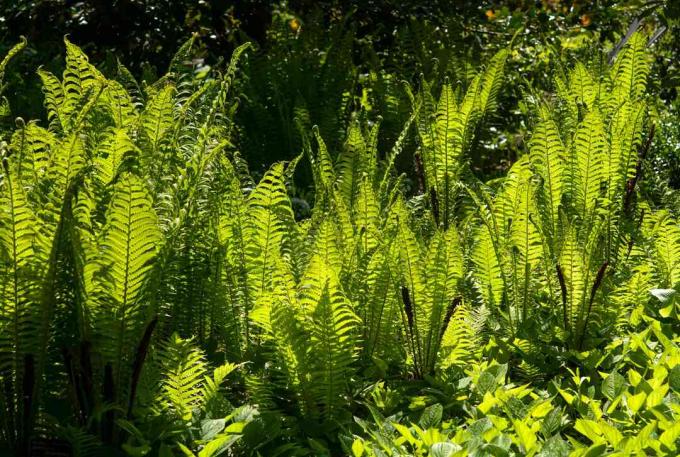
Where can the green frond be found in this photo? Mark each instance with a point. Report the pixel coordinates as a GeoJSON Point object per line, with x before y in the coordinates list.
{"type": "Point", "coordinates": [589, 163]}
{"type": "Point", "coordinates": [128, 246]}
{"type": "Point", "coordinates": [366, 214]}
{"type": "Point", "coordinates": [583, 87]}
{"type": "Point", "coordinates": [183, 368]}
{"type": "Point", "coordinates": [626, 136]}
{"type": "Point", "coordinates": [332, 345]}
{"type": "Point", "coordinates": [492, 82]}
{"type": "Point", "coordinates": [460, 339]}
{"type": "Point", "coordinates": [666, 244]}
{"type": "Point", "coordinates": [78, 79]}
{"type": "Point", "coordinates": [22, 265]}
{"type": "Point", "coordinates": [487, 268]}
{"type": "Point", "coordinates": [120, 104]}
{"type": "Point", "coordinates": [67, 161]}
{"type": "Point", "coordinates": [352, 163]}
{"type": "Point", "coordinates": [568, 107]}
{"type": "Point", "coordinates": [270, 218]}
{"type": "Point", "coordinates": [444, 273]}
{"type": "Point", "coordinates": [13, 52]}
{"type": "Point", "coordinates": [325, 252]}
{"type": "Point", "coordinates": [322, 164]}
{"type": "Point", "coordinates": [19, 250]}
{"type": "Point", "coordinates": [116, 147]}
{"type": "Point", "coordinates": [517, 203]}
{"type": "Point", "coordinates": [54, 99]}
{"type": "Point", "coordinates": [445, 159]}
{"type": "Point", "coordinates": [470, 112]}
{"type": "Point", "coordinates": [631, 70]}
{"type": "Point", "coordinates": [548, 156]}
{"type": "Point", "coordinates": [380, 308]}
{"type": "Point", "coordinates": [31, 147]}
{"type": "Point", "coordinates": [158, 118]}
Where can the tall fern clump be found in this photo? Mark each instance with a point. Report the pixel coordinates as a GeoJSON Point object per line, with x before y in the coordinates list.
{"type": "Point", "coordinates": [99, 208]}
{"type": "Point", "coordinates": [556, 234]}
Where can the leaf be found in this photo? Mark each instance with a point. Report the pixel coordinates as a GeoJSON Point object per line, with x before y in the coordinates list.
{"type": "Point", "coordinates": [670, 436]}
{"type": "Point", "coordinates": [663, 295]}
{"type": "Point", "coordinates": [431, 417]}
{"type": "Point", "coordinates": [357, 448]}
{"type": "Point", "coordinates": [444, 449]}
{"type": "Point", "coordinates": [211, 427]}
{"type": "Point", "coordinates": [674, 378]}
{"type": "Point", "coordinates": [554, 447]}
{"type": "Point", "coordinates": [636, 401]}
{"type": "Point", "coordinates": [590, 429]}
{"type": "Point", "coordinates": [527, 437]}
{"type": "Point", "coordinates": [486, 383]}
{"type": "Point", "coordinates": [613, 386]}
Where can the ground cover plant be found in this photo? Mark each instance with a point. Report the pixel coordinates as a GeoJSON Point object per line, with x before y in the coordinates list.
{"type": "Point", "coordinates": [159, 298]}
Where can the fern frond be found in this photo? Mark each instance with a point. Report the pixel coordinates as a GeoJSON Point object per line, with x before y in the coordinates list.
{"type": "Point", "coordinates": [20, 310]}
{"type": "Point", "coordinates": [270, 216]}
{"type": "Point", "coordinates": [333, 344]}
{"type": "Point", "coordinates": [157, 118]}
{"type": "Point", "coordinates": [127, 250]}
{"type": "Point", "coordinates": [115, 148]}
{"type": "Point", "coordinates": [54, 99]}
{"type": "Point", "coordinates": [631, 70]}
{"type": "Point", "coordinates": [548, 155]}
{"type": "Point", "coordinates": [583, 87]}
{"type": "Point", "coordinates": [459, 340]}
{"type": "Point", "coordinates": [352, 162]}
{"type": "Point", "coordinates": [488, 276]}
{"type": "Point", "coordinates": [666, 243]}
{"type": "Point", "coordinates": [78, 79]}
{"type": "Point", "coordinates": [183, 368]}
{"type": "Point", "coordinates": [492, 81]}
{"type": "Point", "coordinates": [589, 163]}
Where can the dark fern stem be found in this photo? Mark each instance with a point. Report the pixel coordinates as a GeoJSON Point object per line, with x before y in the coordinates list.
{"type": "Point", "coordinates": [408, 310]}
{"type": "Point", "coordinates": [455, 303]}
{"type": "Point", "coordinates": [434, 201]}
{"type": "Point", "coordinates": [74, 383]}
{"type": "Point", "coordinates": [408, 307]}
{"type": "Point", "coordinates": [596, 285]}
{"type": "Point", "coordinates": [140, 356]}
{"type": "Point", "coordinates": [563, 289]}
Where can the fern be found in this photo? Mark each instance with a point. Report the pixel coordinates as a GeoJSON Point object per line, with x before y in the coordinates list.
{"type": "Point", "coordinates": [589, 165]}
{"type": "Point", "coordinates": [127, 248]}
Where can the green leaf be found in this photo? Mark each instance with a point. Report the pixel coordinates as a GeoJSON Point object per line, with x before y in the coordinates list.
{"type": "Point", "coordinates": [211, 427]}
{"type": "Point", "coordinates": [614, 385]}
{"type": "Point", "coordinates": [357, 448]}
{"type": "Point", "coordinates": [527, 437]}
{"type": "Point", "coordinates": [674, 378]}
{"type": "Point", "coordinates": [431, 417]}
{"type": "Point", "coordinates": [444, 449]}
{"type": "Point", "coordinates": [590, 429]}
{"type": "Point", "coordinates": [486, 383]}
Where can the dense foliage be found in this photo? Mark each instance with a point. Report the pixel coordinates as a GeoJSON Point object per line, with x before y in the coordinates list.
{"type": "Point", "coordinates": [158, 298]}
